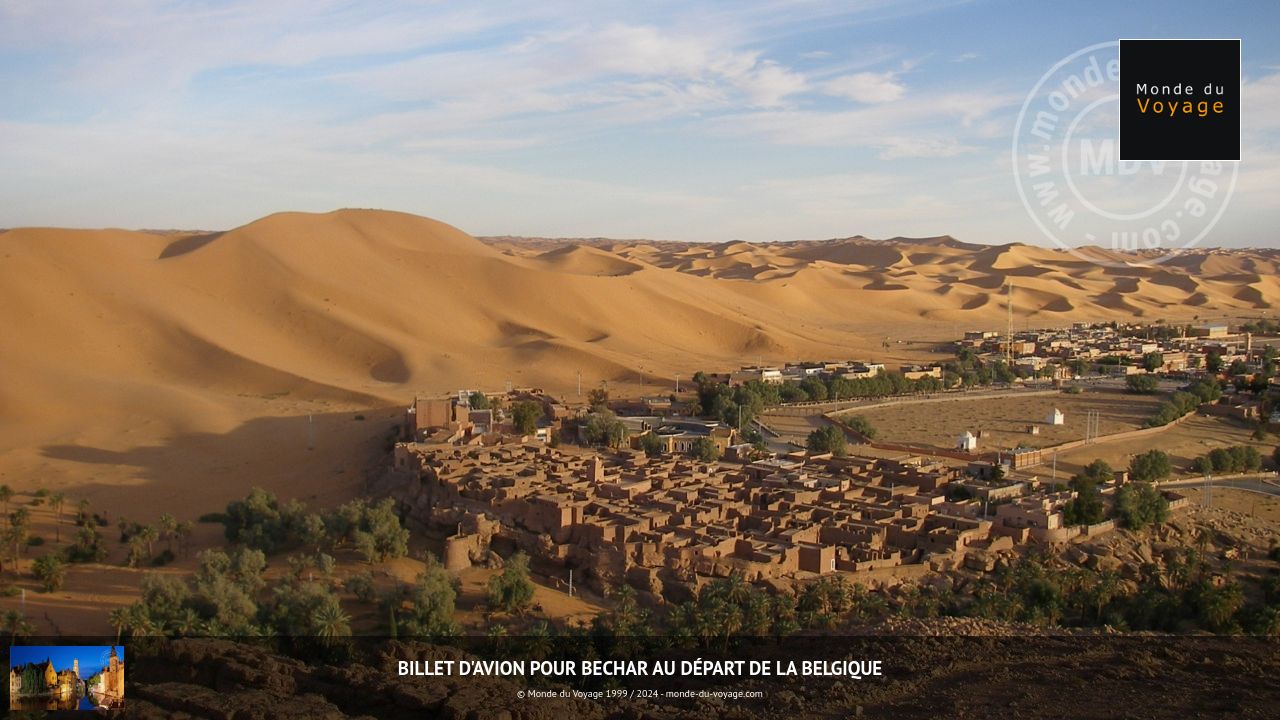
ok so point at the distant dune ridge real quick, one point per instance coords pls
(358, 303)
(110, 333)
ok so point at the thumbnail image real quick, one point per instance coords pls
(66, 677)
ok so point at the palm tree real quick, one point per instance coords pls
(183, 532)
(137, 551)
(121, 619)
(6, 494)
(168, 529)
(149, 536)
(15, 624)
(330, 621)
(18, 531)
(187, 622)
(56, 500)
(538, 643)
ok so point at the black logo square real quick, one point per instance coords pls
(1179, 99)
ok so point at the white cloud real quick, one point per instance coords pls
(867, 87)
(922, 147)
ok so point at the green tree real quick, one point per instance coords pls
(1140, 504)
(168, 528)
(120, 620)
(183, 532)
(137, 552)
(1142, 384)
(374, 529)
(604, 428)
(598, 398)
(50, 571)
(56, 501)
(1152, 361)
(525, 415)
(1150, 466)
(432, 599)
(511, 591)
(827, 438)
(705, 450)
(361, 585)
(651, 444)
(329, 620)
(15, 625)
(1086, 508)
(478, 401)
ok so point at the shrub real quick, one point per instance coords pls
(215, 518)
(862, 425)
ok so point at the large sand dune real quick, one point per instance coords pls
(170, 371)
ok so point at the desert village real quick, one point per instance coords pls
(660, 521)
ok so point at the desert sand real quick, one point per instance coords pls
(170, 372)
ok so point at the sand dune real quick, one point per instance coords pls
(137, 364)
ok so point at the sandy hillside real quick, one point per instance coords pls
(168, 372)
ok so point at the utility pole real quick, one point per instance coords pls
(579, 383)
(570, 582)
(677, 383)
(1008, 337)
(311, 432)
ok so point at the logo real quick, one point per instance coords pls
(1073, 184)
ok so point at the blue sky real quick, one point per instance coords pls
(92, 657)
(668, 120)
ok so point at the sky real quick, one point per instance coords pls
(92, 657)
(704, 121)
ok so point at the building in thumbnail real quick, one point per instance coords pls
(110, 687)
